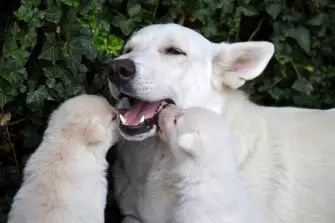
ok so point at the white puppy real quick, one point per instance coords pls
(285, 155)
(203, 148)
(64, 179)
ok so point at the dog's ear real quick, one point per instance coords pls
(188, 142)
(94, 132)
(233, 64)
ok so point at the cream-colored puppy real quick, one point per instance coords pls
(64, 180)
(203, 157)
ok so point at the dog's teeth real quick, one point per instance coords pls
(123, 120)
(142, 119)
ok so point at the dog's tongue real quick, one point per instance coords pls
(140, 108)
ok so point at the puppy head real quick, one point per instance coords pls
(88, 120)
(197, 132)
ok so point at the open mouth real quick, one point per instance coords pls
(141, 116)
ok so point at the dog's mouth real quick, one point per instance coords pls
(141, 116)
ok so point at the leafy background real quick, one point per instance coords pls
(53, 49)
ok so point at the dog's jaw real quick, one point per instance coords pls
(140, 137)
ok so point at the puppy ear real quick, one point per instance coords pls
(93, 132)
(233, 64)
(188, 142)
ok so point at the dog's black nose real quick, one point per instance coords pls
(124, 69)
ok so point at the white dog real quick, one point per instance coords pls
(285, 155)
(199, 165)
(64, 179)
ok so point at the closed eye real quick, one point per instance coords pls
(174, 51)
(128, 50)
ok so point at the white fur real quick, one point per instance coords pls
(64, 179)
(203, 157)
(285, 155)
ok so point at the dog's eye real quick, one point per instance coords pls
(128, 50)
(176, 118)
(174, 51)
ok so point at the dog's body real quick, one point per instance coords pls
(198, 165)
(285, 155)
(64, 179)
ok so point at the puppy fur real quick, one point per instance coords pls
(203, 156)
(65, 178)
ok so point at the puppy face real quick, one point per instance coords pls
(87, 119)
(197, 131)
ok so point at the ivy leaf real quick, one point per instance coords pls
(73, 3)
(248, 11)
(53, 14)
(15, 30)
(16, 77)
(50, 50)
(134, 10)
(89, 49)
(57, 71)
(201, 15)
(317, 20)
(303, 85)
(29, 39)
(273, 10)
(19, 56)
(302, 36)
(37, 96)
(9, 46)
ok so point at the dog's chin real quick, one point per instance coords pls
(140, 136)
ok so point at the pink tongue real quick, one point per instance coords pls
(139, 109)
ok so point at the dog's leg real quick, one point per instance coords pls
(130, 219)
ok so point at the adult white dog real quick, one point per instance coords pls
(199, 165)
(285, 155)
(64, 179)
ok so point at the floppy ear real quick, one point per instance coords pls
(188, 142)
(94, 132)
(233, 64)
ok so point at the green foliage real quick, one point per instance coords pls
(52, 51)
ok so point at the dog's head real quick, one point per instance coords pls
(197, 133)
(86, 120)
(177, 65)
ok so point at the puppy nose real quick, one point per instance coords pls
(125, 69)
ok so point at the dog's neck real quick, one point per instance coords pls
(244, 119)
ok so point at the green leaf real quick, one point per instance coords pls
(53, 14)
(248, 11)
(50, 50)
(273, 10)
(302, 36)
(201, 15)
(19, 56)
(317, 20)
(9, 46)
(16, 77)
(15, 30)
(303, 85)
(38, 96)
(29, 39)
(134, 10)
(73, 3)
(89, 49)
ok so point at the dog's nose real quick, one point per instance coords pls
(125, 69)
